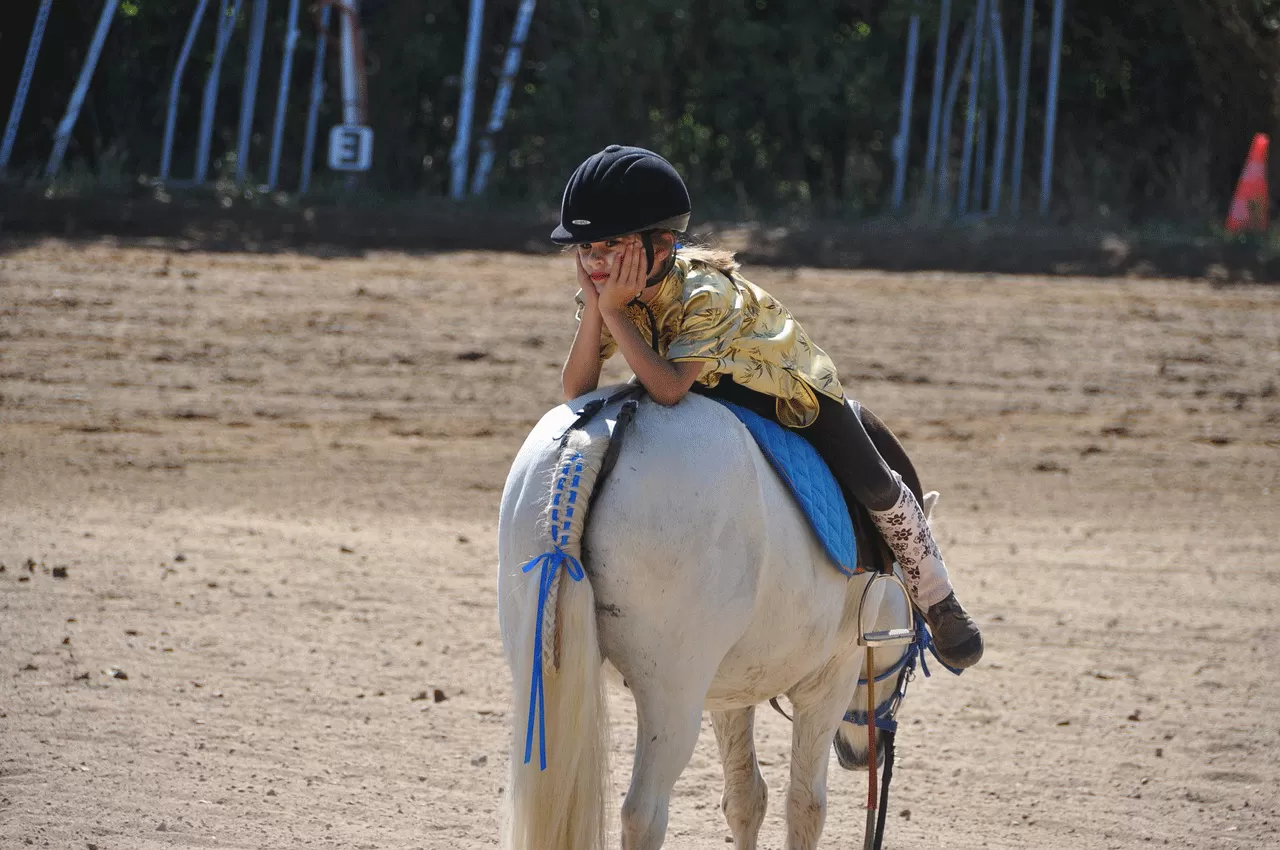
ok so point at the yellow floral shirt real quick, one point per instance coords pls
(735, 328)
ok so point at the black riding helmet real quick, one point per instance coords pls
(619, 191)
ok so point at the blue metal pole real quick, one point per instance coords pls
(282, 96)
(317, 94)
(249, 94)
(63, 136)
(24, 84)
(1051, 107)
(948, 109)
(900, 142)
(462, 141)
(980, 145)
(971, 114)
(226, 25)
(979, 164)
(1002, 115)
(935, 105)
(171, 114)
(1020, 130)
(502, 98)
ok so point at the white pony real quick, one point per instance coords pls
(705, 588)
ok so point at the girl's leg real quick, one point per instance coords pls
(841, 438)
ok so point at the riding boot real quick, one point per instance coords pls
(904, 527)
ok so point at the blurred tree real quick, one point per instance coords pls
(769, 108)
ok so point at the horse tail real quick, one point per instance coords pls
(559, 779)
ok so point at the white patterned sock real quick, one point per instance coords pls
(907, 532)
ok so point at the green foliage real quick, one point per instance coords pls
(770, 108)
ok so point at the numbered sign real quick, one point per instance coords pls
(350, 147)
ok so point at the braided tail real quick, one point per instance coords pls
(558, 803)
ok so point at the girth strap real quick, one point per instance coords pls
(592, 409)
(621, 425)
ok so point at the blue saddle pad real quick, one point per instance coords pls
(810, 481)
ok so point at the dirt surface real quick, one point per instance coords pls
(247, 516)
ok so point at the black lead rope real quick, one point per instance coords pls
(886, 778)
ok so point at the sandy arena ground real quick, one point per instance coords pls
(247, 516)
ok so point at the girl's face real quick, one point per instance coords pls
(599, 258)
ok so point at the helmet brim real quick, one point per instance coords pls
(581, 234)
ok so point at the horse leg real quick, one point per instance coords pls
(819, 708)
(745, 791)
(667, 724)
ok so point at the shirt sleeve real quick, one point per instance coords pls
(608, 346)
(709, 323)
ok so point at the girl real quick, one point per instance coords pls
(686, 317)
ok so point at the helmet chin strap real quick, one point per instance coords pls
(646, 238)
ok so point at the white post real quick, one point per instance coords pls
(24, 83)
(1020, 130)
(935, 105)
(175, 83)
(350, 72)
(971, 113)
(63, 136)
(317, 94)
(502, 99)
(282, 96)
(458, 157)
(900, 142)
(249, 93)
(1051, 108)
(226, 26)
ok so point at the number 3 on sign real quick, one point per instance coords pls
(350, 147)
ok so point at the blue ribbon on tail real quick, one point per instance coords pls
(549, 563)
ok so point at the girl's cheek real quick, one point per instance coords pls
(593, 260)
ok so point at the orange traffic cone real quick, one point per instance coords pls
(1250, 205)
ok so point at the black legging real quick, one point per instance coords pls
(856, 460)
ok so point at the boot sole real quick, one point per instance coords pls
(964, 655)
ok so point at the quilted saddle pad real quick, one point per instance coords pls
(810, 481)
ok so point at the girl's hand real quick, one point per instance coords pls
(627, 279)
(590, 295)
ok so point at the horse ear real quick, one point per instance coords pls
(930, 502)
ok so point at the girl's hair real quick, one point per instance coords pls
(718, 258)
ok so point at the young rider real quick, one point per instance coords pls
(685, 316)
